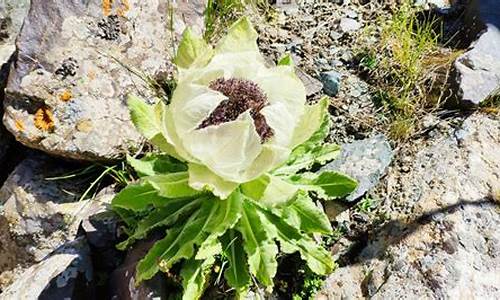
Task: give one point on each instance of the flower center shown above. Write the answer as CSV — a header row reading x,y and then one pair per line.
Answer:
x,y
242,95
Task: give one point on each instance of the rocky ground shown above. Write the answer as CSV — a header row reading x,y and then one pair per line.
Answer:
x,y
423,222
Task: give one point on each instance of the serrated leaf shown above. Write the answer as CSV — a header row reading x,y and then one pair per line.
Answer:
x,y
154,164
167,215
304,214
291,240
136,197
228,214
306,158
179,242
144,116
236,273
194,275
192,50
173,185
270,190
259,246
328,185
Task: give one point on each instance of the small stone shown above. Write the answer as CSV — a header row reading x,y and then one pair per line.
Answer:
x,y
351,14
331,82
366,161
349,25
335,35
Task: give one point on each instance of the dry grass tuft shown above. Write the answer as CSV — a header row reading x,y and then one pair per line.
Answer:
x,y
410,69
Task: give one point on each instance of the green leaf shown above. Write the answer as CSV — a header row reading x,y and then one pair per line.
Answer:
x,y
236,274
259,246
137,197
328,185
145,117
193,50
148,121
179,242
304,214
194,277
173,185
173,210
154,164
304,159
314,150
270,190
227,216
286,60
291,240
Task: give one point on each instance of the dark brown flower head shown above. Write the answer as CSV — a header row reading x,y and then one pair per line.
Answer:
x,y
242,95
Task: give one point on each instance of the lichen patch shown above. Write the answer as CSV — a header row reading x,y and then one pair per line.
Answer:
x,y
84,126
44,119
107,6
19,125
124,8
65,96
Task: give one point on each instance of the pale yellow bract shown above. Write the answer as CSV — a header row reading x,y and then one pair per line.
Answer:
x,y
221,157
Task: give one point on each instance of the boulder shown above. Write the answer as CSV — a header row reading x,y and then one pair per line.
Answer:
x,y
77,61
478,69
65,274
442,239
40,215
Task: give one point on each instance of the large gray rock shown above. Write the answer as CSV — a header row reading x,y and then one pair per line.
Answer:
x,y
442,240
76,63
65,274
478,70
12,14
39,215
365,160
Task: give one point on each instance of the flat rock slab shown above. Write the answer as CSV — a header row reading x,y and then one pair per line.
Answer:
x,y
478,70
76,63
442,239
65,274
38,215
366,161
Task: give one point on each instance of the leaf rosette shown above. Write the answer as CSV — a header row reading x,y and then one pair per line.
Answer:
x,y
238,140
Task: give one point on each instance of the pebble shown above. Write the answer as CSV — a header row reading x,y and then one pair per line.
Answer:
x,y
349,25
331,82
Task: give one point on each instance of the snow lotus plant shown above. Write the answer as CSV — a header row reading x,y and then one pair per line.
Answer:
x,y
233,181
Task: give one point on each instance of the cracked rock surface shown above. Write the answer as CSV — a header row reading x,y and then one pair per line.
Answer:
x,y
441,240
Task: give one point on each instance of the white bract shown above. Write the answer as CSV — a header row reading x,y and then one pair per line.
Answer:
x,y
224,155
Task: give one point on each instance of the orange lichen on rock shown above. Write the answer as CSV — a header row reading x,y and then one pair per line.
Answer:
x,y
19,125
44,119
124,8
91,75
107,6
66,96
84,126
